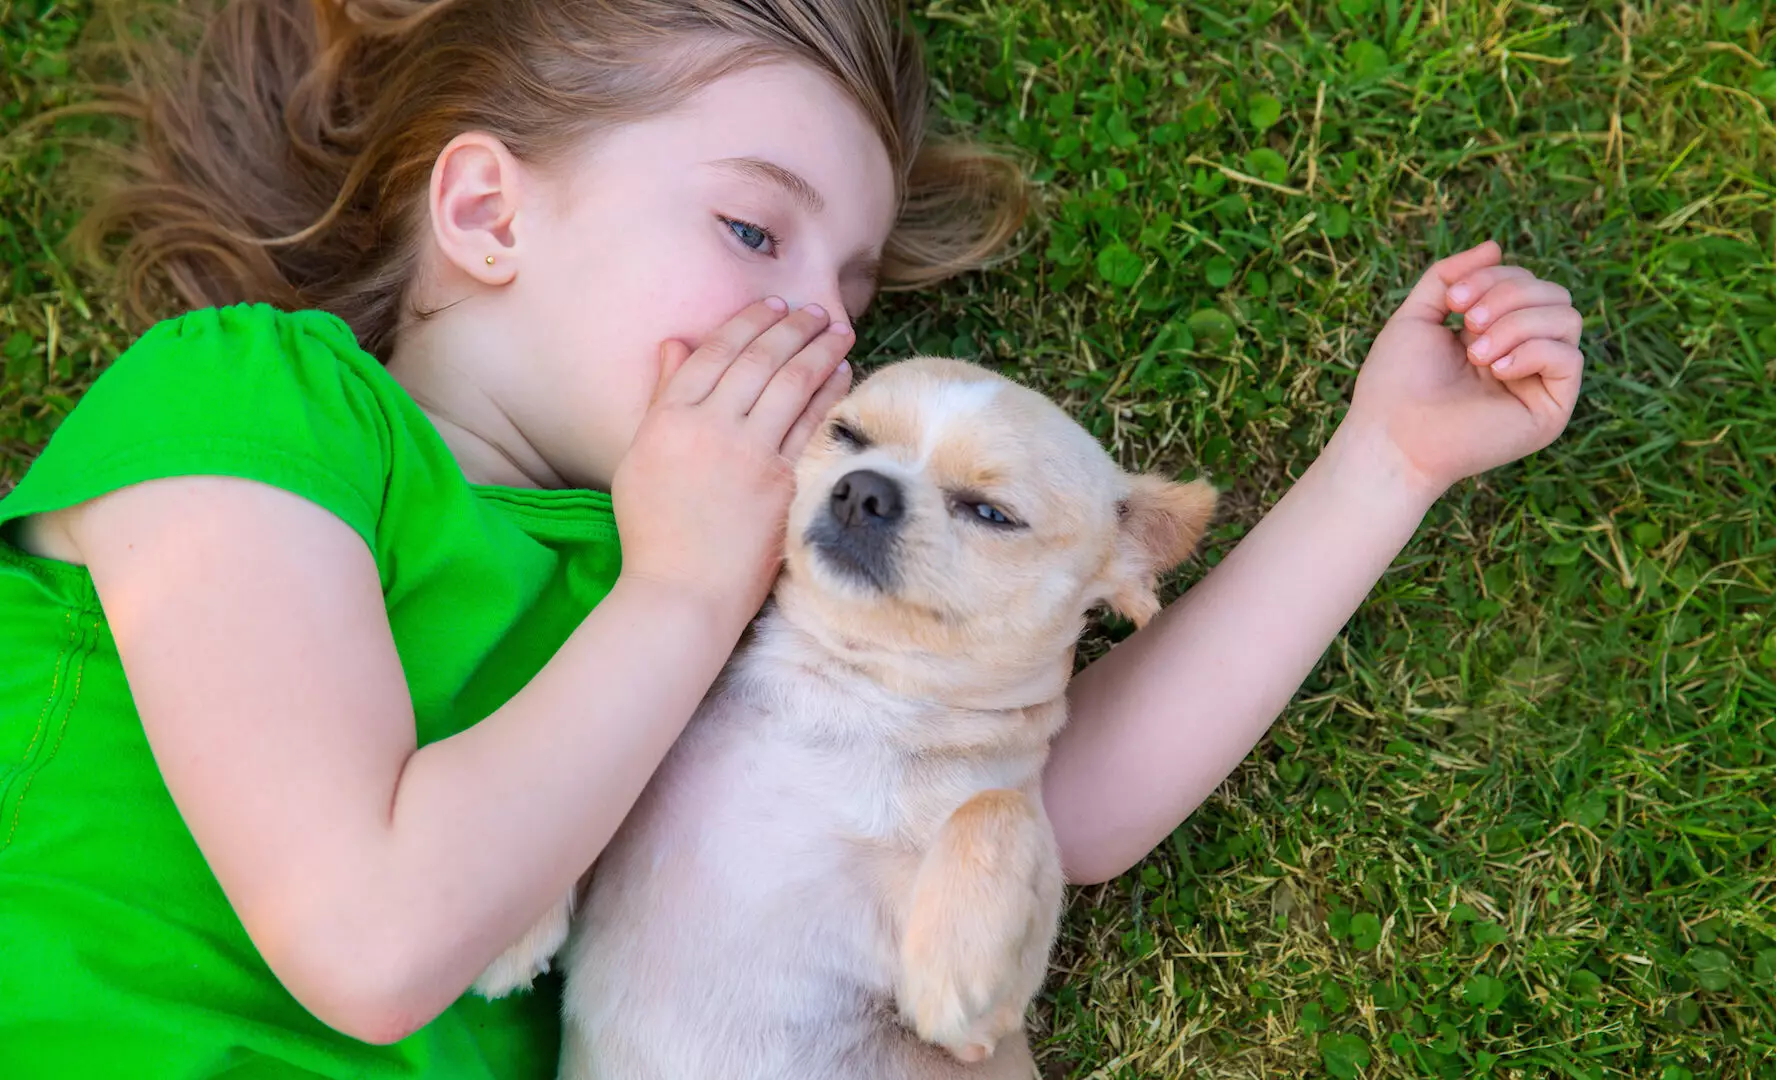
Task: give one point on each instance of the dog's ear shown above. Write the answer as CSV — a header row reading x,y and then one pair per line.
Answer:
x,y
1161,524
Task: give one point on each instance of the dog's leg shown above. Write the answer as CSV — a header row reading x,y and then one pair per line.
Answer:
x,y
518,966
982,919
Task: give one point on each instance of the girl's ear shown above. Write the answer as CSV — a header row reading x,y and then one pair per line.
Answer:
x,y
1162,522
475,190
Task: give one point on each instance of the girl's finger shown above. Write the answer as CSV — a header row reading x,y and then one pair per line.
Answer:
x,y
1543,374
1429,299
771,353
1509,331
838,384
673,354
698,376
796,384
1469,288
1513,295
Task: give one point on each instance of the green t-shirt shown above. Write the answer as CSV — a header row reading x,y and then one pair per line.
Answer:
x,y
119,955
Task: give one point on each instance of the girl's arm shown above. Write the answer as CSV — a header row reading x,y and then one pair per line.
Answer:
x,y
1167,715
378,880
1164,717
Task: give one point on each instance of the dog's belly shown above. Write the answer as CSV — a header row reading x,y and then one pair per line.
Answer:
x,y
734,928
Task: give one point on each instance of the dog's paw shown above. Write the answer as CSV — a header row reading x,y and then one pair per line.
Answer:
x,y
510,973
959,1018
518,967
976,937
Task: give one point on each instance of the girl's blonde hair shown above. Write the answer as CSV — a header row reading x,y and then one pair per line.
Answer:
x,y
285,159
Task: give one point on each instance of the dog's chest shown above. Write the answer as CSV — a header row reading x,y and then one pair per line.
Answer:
x,y
844,757
769,866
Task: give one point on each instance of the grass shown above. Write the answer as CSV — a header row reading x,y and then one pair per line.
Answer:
x,y
1518,823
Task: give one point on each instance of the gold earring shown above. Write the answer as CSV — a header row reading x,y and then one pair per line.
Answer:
x,y
490,260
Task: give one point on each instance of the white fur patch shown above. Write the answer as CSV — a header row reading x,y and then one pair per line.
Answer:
x,y
953,403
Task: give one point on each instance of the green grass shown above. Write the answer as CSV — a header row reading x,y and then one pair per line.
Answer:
x,y
1519,822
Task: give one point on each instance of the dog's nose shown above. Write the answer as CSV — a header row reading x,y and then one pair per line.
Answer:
x,y
863,499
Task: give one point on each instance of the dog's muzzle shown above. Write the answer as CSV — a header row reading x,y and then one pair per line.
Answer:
x,y
857,534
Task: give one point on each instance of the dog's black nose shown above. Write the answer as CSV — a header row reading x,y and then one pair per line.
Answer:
x,y
864,499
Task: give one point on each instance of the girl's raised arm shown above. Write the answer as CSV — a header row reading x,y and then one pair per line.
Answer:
x,y
1168,714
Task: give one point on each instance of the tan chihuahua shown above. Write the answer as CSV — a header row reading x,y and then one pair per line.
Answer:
x,y
843,869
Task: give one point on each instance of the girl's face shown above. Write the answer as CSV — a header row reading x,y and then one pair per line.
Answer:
x,y
769,182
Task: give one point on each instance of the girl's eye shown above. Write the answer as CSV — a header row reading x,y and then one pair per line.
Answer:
x,y
847,436
987,514
754,237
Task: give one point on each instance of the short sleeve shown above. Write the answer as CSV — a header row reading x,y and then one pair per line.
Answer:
x,y
285,399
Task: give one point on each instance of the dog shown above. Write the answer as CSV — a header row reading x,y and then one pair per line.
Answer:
x,y
843,869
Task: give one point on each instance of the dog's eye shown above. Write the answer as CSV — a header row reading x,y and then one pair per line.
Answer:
x,y
987,514
845,435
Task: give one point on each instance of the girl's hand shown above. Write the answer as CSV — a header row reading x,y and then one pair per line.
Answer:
x,y
702,495
1456,405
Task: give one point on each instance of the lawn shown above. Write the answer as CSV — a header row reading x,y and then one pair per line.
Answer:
x,y
1519,821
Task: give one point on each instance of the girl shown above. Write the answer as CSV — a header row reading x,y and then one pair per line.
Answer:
x,y
324,676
